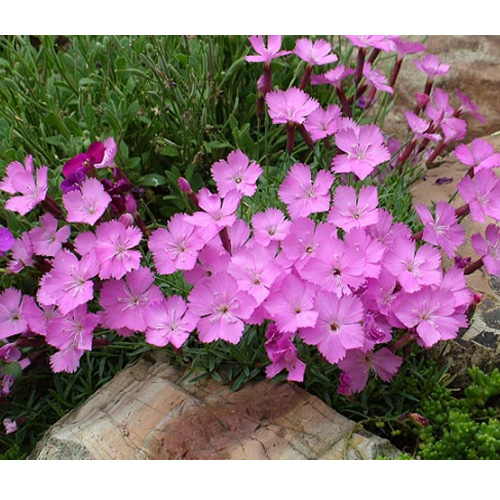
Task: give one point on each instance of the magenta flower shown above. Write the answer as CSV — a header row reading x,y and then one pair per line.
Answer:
x,y
335,268
7,240
221,307
431,65
403,48
303,197
413,268
364,148
488,248
333,76
72,335
441,110
357,365
37,317
454,281
22,254
99,155
283,355
270,225
338,327
468,106
113,249
482,194
323,123
170,321
350,211
385,231
47,240
381,42
69,283
367,248
481,155
211,260
236,173
291,307
420,127
28,183
314,53
255,270
432,313
176,247
266,54
454,129
376,79
12,320
88,204
126,302
290,106
442,229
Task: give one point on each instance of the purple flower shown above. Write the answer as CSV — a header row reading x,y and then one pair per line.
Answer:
x,y
99,155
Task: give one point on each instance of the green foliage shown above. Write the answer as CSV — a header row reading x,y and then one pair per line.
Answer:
x,y
13,453
466,427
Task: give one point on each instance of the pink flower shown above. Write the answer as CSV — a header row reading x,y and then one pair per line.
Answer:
x,y
443,229
30,184
468,106
221,307
176,248
413,268
270,225
283,355
378,80
266,54
454,129
113,249
47,240
236,173
403,48
481,155
364,148
72,335
99,155
381,42
431,65
315,53
9,425
357,365
12,320
6,240
454,282
323,123
420,127
385,231
170,321
333,77
22,254
291,307
349,211
335,269
88,204
432,313
255,270
211,260
126,302
37,317
482,194
488,248
368,249
338,327
69,283
303,197
290,106
441,111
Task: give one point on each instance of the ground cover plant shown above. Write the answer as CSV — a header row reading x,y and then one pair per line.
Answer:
x,y
236,202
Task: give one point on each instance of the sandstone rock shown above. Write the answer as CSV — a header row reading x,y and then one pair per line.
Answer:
x,y
151,411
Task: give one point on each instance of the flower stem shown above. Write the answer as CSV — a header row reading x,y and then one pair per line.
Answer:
x,y
474,266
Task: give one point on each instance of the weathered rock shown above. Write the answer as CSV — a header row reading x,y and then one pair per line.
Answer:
x,y
150,411
475,70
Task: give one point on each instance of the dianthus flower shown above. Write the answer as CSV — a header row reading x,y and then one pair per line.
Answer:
x,y
431,65
364,148
290,106
222,308
488,248
266,54
88,204
338,327
357,365
283,355
378,80
385,231
454,129
333,76
480,154
236,173
270,225
36,316
113,249
441,111
99,155
47,240
371,251
403,47
468,106
454,281
22,254
303,197
29,183
482,194
442,229
72,334
170,321
126,302
315,53
211,260
349,211
7,240
12,320
176,248
69,283
420,127
323,123
381,42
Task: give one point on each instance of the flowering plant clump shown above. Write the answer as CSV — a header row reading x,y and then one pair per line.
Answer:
x,y
312,259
